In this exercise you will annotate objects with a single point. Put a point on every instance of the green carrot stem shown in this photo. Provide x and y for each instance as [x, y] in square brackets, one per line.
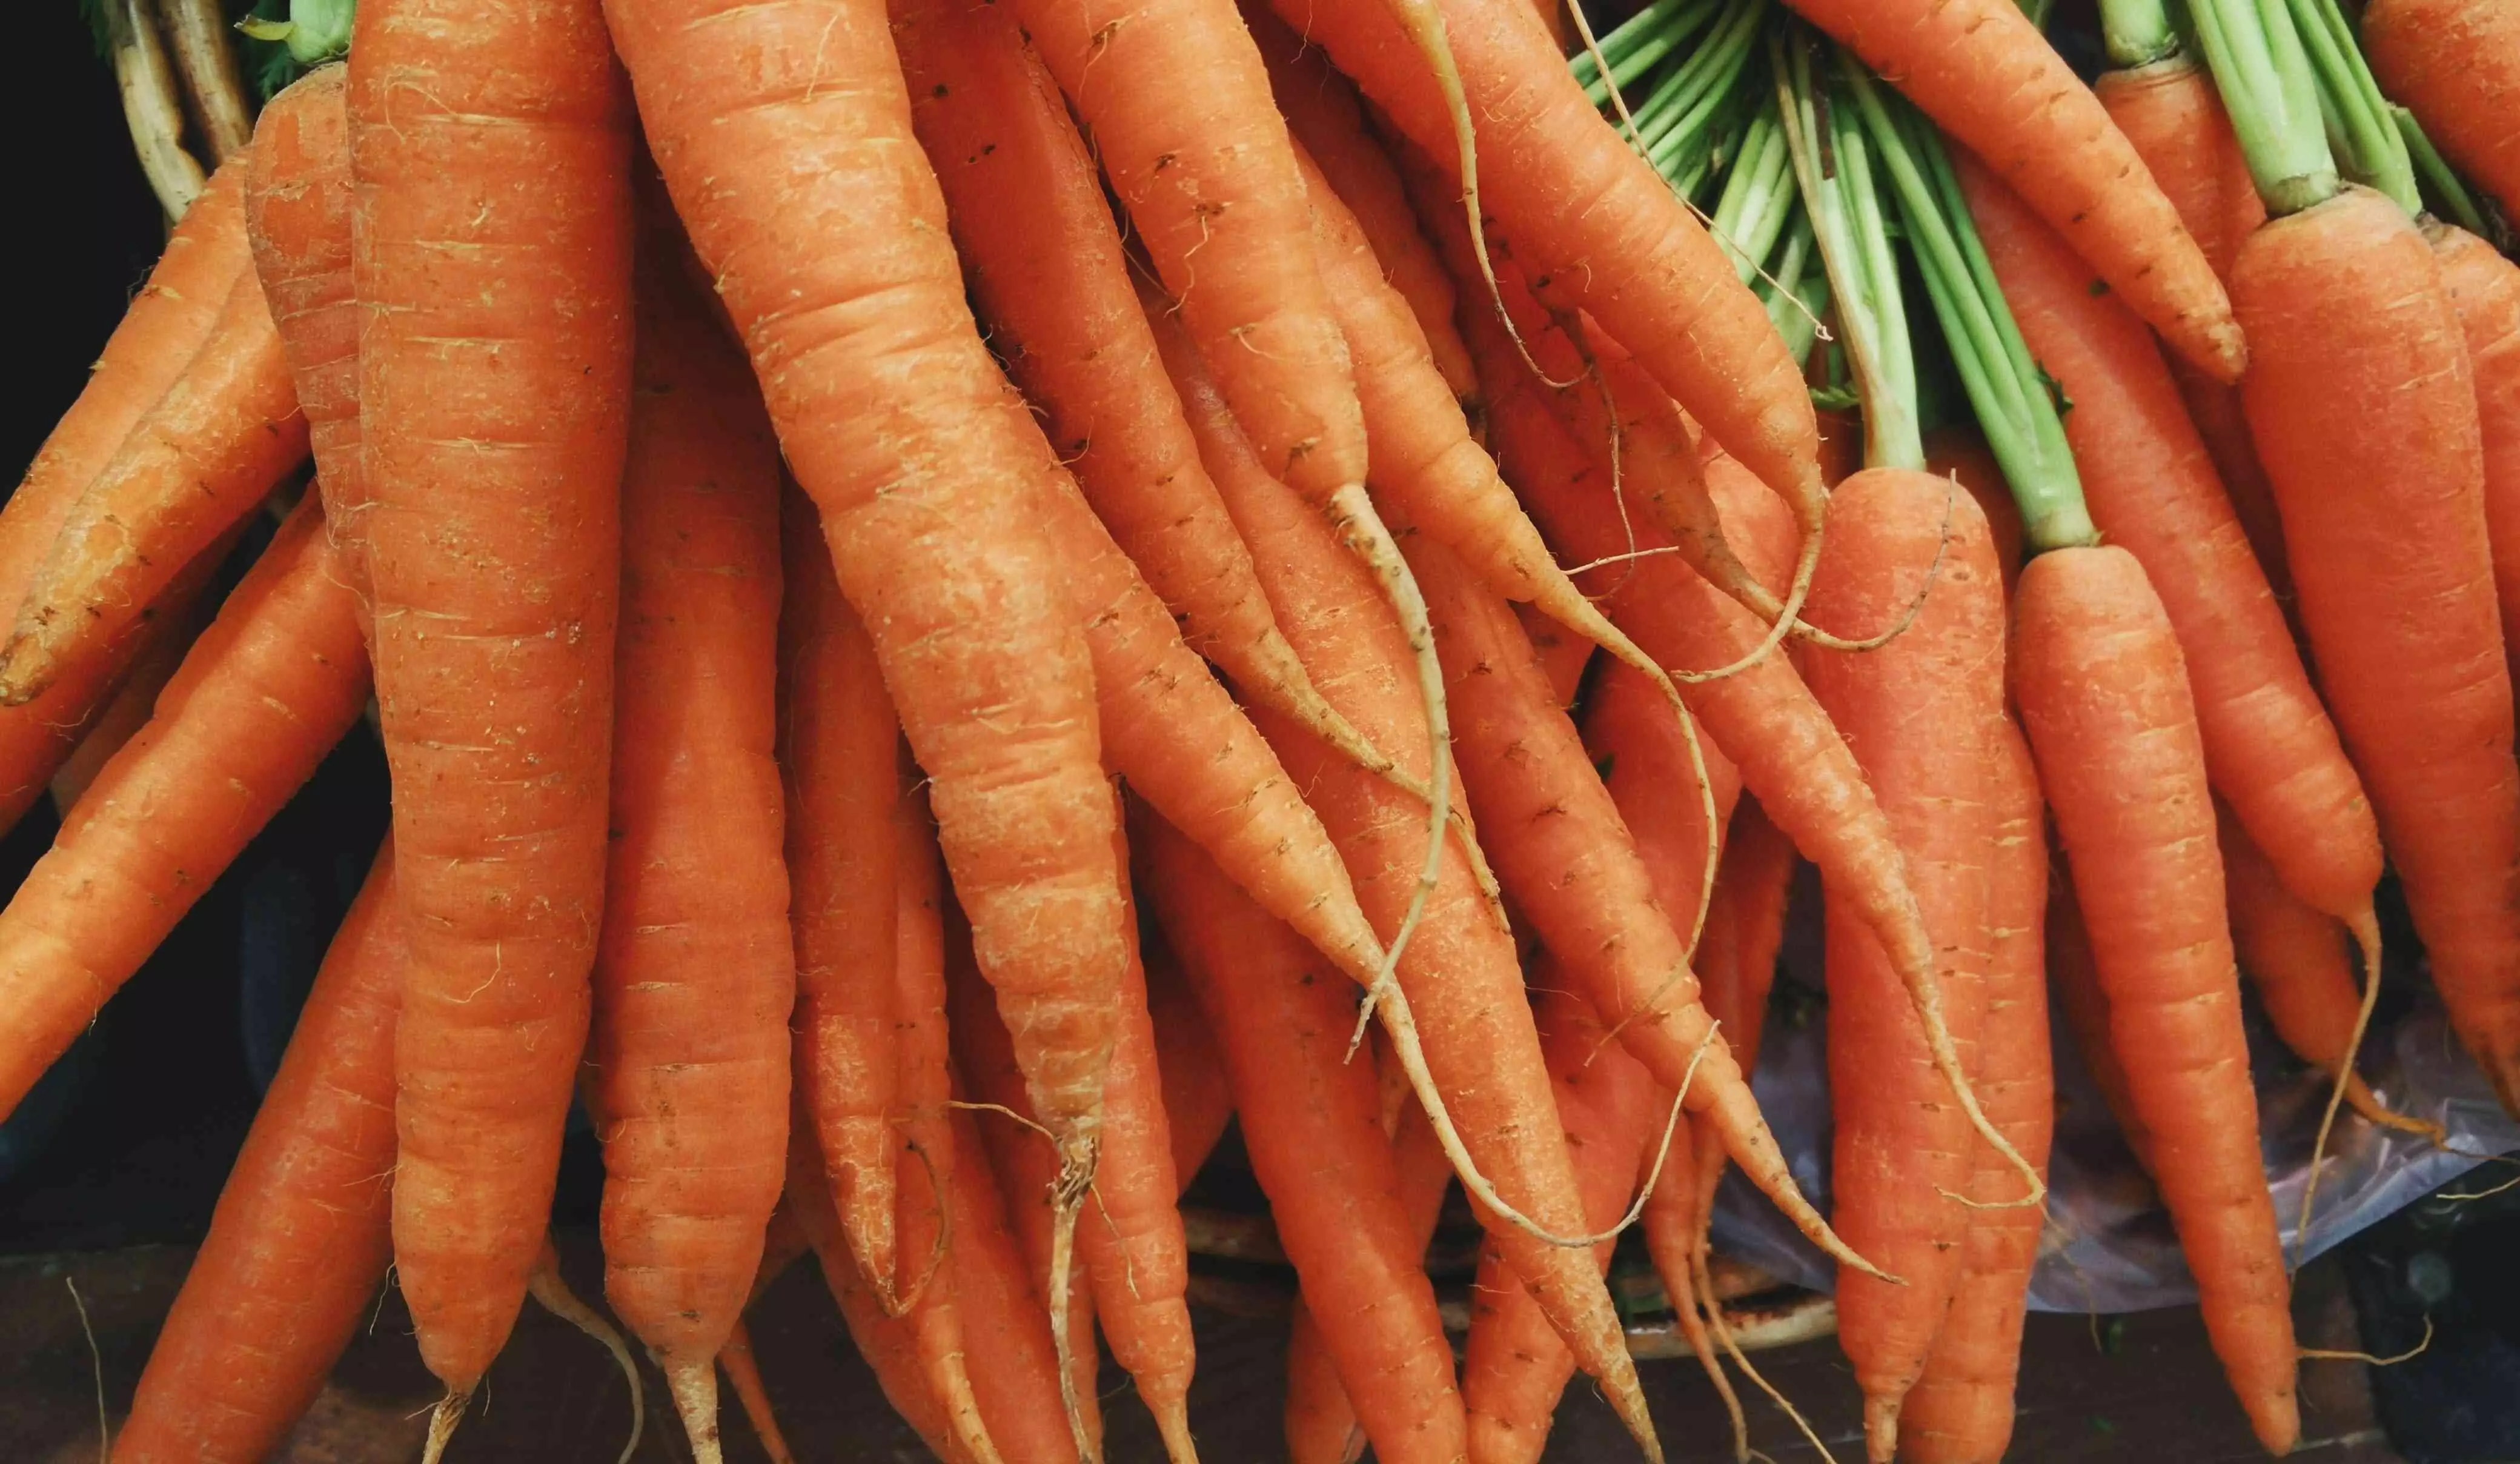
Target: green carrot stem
[2366, 143]
[2272, 96]
[2446, 189]
[1758, 199]
[315, 32]
[2138, 32]
[1640, 42]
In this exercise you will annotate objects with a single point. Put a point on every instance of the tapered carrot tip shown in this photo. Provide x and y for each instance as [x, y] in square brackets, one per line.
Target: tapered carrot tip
[441, 1426]
[2276, 1421]
[695, 1389]
[1881, 1429]
[1172, 1422]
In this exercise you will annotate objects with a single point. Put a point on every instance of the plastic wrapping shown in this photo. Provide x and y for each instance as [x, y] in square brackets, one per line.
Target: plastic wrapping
[2108, 1245]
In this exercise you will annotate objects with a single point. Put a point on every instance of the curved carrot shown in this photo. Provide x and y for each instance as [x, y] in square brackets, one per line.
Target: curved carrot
[1980, 69]
[2150, 885]
[2270, 748]
[1961, 1409]
[260, 700]
[2458, 63]
[2483, 288]
[298, 1241]
[695, 969]
[1605, 231]
[839, 747]
[1920, 712]
[2365, 415]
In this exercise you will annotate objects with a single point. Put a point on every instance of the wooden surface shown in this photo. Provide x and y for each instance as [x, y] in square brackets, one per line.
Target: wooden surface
[2136, 1388]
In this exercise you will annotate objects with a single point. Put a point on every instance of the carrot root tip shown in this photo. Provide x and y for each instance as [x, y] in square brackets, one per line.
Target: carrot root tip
[695, 1389]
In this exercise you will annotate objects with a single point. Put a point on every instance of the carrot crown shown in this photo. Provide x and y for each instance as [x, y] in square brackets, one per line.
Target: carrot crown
[315, 32]
[2138, 32]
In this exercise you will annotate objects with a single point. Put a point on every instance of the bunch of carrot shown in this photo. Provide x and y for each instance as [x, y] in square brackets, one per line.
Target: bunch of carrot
[925, 662]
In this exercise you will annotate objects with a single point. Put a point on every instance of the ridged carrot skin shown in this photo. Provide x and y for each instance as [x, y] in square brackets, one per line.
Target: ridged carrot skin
[2458, 63]
[491, 243]
[2104, 699]
[1198, 1103]
[260, 700]
[2485, 290]
[299, 1239]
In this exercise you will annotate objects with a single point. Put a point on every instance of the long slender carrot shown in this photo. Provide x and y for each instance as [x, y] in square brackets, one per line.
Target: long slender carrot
[1035, 231]
[2150, 885]
[263, 696]
[298, 1241]
[1985, 73]
[2483, 288]
[1318, 1420]
[1198, 1102]
[1312, 1123]
[128, 711]
[497, 311]
[2458, 63]
[2075, 982]
[928, 515]
[2365, 416]
[204, 457]
[298, 202]
[1607, 233]
[1920, 712]
[1014, 1368]
[838, 749]
[1961, 1409]
[2270, 748]
[695, 970]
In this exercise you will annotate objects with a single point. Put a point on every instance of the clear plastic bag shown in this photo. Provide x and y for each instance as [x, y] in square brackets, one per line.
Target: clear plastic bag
[2108, 1245]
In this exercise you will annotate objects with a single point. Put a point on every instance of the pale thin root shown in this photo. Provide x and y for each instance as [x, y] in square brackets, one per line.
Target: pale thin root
[1927, 1000]
[1077, 1156]
[1805, 630]
[96, 1370]
[1724, 1334]
[693, 1385]
[1353, 514]
[744, 1374]
[2324, 1354]
[935, 1252]
[1788, 616]
[1003, 1112]
[546, 1286]
[442, 1420]
[1172, 1424]
[2366, 937]
[1481, 871]
[1693, 1326]
[2462, 1197]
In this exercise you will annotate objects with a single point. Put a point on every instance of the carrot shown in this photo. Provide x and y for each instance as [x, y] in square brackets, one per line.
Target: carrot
[495, 311]
[2382, 490]
[1759, 867]
[1920, 712]
[1980, 69]
[2270, 748]
[1014, 1366]
[2301, 962]
[743, 1375]
[1961, 1409]
[1960, 454]
[298, 1241]
[122, 716]
[1198, 1102]
[2151, 883]
[2076, 983]
[1607, 231]
[1636, 745]
[1460, 971]
[929, 517]
[298, 202]
[838, 747]
[200, 460]
[1311, 1121]
[1565, 658]
[1036, 234]
[2458, 63]
[262, 696]
[2168, 112]
[2484, 289]
[1612, 1111]
[1319, 1421]
[695, 970]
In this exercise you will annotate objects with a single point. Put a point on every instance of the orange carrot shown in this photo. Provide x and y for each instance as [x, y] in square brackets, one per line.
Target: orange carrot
[1312, 1123]
[160, 643]
[1960, 454]
[695, 969]
[297, 214]
[2483, 288]
[1013, 1367]
[1983, 72]
[2458, 63]
[839, 747]
[298, 1241]
[1198, 1103]
[263, 696]
[1564, 656]
[2077, 987]
[743, 1375]
[1607, 231]
[1961, 1409]
[1320, 1420]
[1920, 712]
[2151, 883]
[2383, 495]
[492, 233]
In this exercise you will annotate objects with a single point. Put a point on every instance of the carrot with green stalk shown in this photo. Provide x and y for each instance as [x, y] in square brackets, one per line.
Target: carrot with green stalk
[2458, 63]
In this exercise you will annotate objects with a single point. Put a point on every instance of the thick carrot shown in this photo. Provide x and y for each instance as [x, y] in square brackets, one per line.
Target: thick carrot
[1920, 712]
[2458, 63]
[2483, 288]
[497, 311]
[1198, 1102]
[2270, 748]
[1311, 1122]
[1607, 231]
[298, 1241]
[1036, 234]
[1983, 72]
[223, 434]
[2365, 416]
[2168, 112]
[695, 969]
[263, 696]
[1961, 1409]
[2150, 885]
[298, 202]
[926, 470]
[838, 747]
